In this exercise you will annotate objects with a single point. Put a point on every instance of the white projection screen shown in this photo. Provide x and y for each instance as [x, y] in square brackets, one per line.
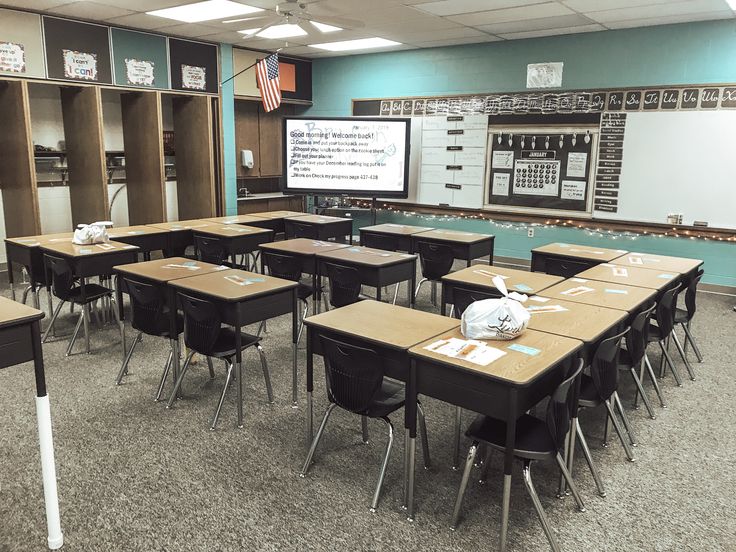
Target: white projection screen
[356, 156]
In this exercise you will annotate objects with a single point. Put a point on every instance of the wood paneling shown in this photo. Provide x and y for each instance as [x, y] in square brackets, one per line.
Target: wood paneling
[144, 157]
[17, 170]
[195, 170]
[247, 136]
[288, 203]
[260, 132]
[82, 113]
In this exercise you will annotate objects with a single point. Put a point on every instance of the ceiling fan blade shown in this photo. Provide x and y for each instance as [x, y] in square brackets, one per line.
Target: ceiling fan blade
[260, 20]
[342, 22]
[261, 29]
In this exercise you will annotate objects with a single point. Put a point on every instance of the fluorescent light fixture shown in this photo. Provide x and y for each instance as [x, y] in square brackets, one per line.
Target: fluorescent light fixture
[324, 28]
[359, 44]
[731, 4]
[277, 31]
[204, 11]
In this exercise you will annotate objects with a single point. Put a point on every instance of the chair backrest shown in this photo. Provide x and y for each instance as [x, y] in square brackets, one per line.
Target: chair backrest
[201, 324]
[210, 249]
[463, 298]
[690, 294]
[604, 366]
[436, 259]
[638, 336]
[379, 241]
[147, 304]
[62, 278]
[344, 285]
[666, 311]
[560, 407]
[301, 230]
[286, 267]
[354, 374]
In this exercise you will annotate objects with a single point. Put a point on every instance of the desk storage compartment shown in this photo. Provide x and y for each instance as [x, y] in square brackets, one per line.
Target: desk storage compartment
[15, 345]
[558, 266]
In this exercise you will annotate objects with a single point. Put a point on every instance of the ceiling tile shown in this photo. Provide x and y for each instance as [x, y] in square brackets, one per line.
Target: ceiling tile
[455, 7]
[141, 21]
[457, 41]
[553, 32]
[35, 4]
[195, 30]
[660, 10]
[91, 10]
[143, 5]
[537, 11]
[558, 22]
[670, 19]
[598, 5]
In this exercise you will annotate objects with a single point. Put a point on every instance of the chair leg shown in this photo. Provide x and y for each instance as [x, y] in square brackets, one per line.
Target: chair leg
[458, 430]
[53, 321]
[315, 441]
[25, 294]
[211, 368]
[165, 375]
[668, 360]
[396, 293]
[266, 373]
[689, 337]
[423, 434]
[228, 379]
[382, 475]
[261, 328]
[484, 468]
[463, 485]
[75, 334]
[364, 429]
[653, 378]
[570, 483]
[433, 294]
[124, 367]
[301, 322]
[527, 475]
[419, 286]
[589, 459]
[619, 431]
[643, 394]
[177, 385]
[680, 350]
[85, 313]
[452, 311]
[627, 424]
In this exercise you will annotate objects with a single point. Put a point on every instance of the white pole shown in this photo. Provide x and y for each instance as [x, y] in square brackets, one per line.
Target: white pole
[48, 468]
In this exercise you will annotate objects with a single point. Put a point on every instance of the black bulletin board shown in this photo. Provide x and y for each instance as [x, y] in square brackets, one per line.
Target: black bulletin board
[199, 54]
[532, 165]
[63, 34]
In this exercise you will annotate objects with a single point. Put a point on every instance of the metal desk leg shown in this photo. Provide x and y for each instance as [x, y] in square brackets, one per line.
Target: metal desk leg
[410, 423]
[10, 274]
[508, 465]
[310, 388]
[294, 340]
[239, 369]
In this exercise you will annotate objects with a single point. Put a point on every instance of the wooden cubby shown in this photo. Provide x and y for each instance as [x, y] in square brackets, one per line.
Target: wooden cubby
[260, 132]
[17, 170]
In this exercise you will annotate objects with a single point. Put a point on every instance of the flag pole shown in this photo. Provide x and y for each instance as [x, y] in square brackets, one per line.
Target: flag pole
[223, 83]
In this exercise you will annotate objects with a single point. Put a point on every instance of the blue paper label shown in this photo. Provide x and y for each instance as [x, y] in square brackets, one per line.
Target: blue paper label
[531, 351]
[666, 276]
[522, 287]
[619, 291]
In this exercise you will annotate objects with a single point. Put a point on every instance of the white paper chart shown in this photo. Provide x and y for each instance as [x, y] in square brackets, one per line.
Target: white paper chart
[537, 177]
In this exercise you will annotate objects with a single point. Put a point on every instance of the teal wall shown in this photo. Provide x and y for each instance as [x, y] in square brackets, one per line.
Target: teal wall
[228, 130]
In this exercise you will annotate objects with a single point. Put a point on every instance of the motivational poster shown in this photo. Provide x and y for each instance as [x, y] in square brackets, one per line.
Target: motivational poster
[193, 77]
[12, 57]
[79, 65]
[139, 72]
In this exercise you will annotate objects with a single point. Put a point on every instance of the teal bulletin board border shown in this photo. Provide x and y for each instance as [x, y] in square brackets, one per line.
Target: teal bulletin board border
[144, 47]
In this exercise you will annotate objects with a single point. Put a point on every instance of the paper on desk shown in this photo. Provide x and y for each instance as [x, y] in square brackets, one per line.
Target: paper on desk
[618, 291]
[635, 260]
[539, 299]
[221, 267]
[243, 281]
[620, 271]
[186, 266]
[578, 280]
[470, 350]
[535, 309]
[490, 274]
[579, 290]
[105, 246]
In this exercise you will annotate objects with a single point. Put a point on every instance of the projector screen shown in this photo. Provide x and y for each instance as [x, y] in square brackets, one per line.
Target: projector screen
[354, 156]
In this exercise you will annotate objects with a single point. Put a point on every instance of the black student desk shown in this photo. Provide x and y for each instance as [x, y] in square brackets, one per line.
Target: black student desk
[377, 268]
[181, 234]
[320, 227]
[146, 238]
[466, 246]
[259, 298]
[20, 341]
[273, 220]
[504, 389]
[399, 234]
[236, 239]
[567, 260]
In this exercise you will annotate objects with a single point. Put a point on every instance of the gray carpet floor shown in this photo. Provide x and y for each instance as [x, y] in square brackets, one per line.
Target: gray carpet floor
[134, 476]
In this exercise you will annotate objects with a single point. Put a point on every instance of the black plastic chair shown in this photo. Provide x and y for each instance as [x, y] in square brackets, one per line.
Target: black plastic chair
[685, 316]
[204, 334]
[664, 329]
[211, 250]
[301, 230]
[635, 356]
[150, 316]
[68, 290]
[535, 440]
[345, 285]
[379, 241]
[356, 383]
[463, 298]
[436, 261]
[288, 267]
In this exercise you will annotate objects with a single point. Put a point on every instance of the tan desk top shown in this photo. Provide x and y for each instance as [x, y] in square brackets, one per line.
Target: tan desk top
[13, 312]
[522, 281]
[166, 270]
[454, 236]
[277, 214]
[231, 230]
[233, 285]
[365, 256]
[235, 219]
[384, 324]
[682, 265]
[69, 249]
[135, 230]
[396, 229]
[302, 246]
[630, 275]
[319, 219]
[604, 294]
[579, 321]
[35, 241]
[580, 251]
[515, 367]
[183, 224]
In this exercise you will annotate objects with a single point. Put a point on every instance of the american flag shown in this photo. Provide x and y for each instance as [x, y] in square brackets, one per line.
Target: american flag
[268, 81]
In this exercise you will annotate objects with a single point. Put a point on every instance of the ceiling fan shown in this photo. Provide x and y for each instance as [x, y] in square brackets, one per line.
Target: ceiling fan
[295, 12]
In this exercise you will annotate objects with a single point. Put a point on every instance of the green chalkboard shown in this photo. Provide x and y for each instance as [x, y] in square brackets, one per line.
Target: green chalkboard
[140, 59]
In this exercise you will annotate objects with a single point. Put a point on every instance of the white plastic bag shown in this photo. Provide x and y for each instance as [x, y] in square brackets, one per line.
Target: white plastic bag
[89, 234]
[503, 319]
